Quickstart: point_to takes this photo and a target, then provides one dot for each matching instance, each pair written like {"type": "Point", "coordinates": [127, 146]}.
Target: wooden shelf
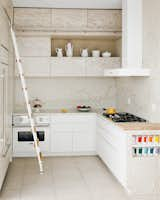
{"type": "Point", "coordinates": [70, 35]}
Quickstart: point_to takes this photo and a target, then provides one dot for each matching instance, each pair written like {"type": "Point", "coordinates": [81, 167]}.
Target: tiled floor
{"type": "Point", "coordinates": [65, 178]}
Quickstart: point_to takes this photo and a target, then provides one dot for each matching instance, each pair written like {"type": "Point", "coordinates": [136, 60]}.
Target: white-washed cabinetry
{"type": "Point", "coordinates": [35, 55]}
{"type": "Point", "coordinates": [32, 18]}
{"type": "Point", "coordinates": [4, 35]}
{"type": "Point", "coordinates": [104, 20]}
{"type": "Point", "coordinates": [68, 66]}
{"type": "Point", "coordinates": [96, 66]}
{"type": "Point", "coordinates": [34, 46]}
{"type": "Point", "coordinates": [35, 66]}
{"type": "Point", "coordinates": [112, 148]}
{"type": "Point", "coordinates": [68, 20]}
{"type": "Point", "coordinates": [73, 134]}
{"type": "Point", "coordinates": [6, 82]}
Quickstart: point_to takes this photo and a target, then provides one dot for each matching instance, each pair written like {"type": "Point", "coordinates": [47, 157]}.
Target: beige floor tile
{"type": "Point", "coordinates": [10, 195]}
{"type": "Point", "coordinates": [37, 193]}
{"type": "Point", "coordinates": [38, 179]}
{"type": "Point", "coordinates": [144, 197]}
{"type": "Point", "coordinates": [72, 193]}
{"type": "Point", "coordinates": [65, 178]}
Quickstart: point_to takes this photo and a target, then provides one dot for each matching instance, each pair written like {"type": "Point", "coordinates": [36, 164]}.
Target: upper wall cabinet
{"type": "Point", "coordinates": [67, 67]}
{"type": "Point", "coordinates": [32, 18]}
{"type": "Point", "coordinates": [69, 19]}
{"type": "Point", "coordinates": [35, 66]}
{"type": "Point", "coordinates": [105, 20]}
{"type": "Point", "coordinates": [4, 35]}
{"type": "Point", "coordinates": [34, 46]}
{"type": "Point", "coordinates": [96, 66]}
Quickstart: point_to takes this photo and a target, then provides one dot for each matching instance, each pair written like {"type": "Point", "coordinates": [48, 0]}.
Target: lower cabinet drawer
{"type": "Point", "coordinates": [109, 155]}
{"type": "Point", "coordinates": [28, 148]}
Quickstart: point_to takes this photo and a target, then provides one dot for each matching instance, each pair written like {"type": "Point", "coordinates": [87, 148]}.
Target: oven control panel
{"type": "Point", "coordinates": [23, 120]}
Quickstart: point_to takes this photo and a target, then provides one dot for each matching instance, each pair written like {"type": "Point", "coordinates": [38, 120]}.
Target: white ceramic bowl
{"type": "Point", "coordinates": [96, 53]}
{"type": "Point", "coordinates": [106, 54]}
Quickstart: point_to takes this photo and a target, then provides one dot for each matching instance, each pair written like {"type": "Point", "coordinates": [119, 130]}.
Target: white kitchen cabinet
{"type": "Point", "coordinates": [6, 78]}
{"type": "Point", "coordinates": [4, 55]}
{"type": "Point", "coordinates": [84, 135]}
{"type": "Point", "coordinates": [111, 147]}
{"type": "Point", "coordinates": [34, 46]}
{"type": "Point", "coordinates": [73, 134]}
{"type": "Point", "coordinates": [68, 66]}
{"type": "Point", "coordinates": [4, 35]}
{"type": "Point", "coordinates": [83, 141]}
{"type": "Point", "coordinates": [62, 142]}
{"type": "Point", "coordinates": [4, 163]}
{"type": "Point", "coordinates": [96, 66]}
{"type": "Point", "coordinates": [105, 20]}
{"type": "Point", "coordinates": [69, 19]}
{"type": "Point", "coordinates": [32, 18]}
{"type": "Point", "coordinates": [35, 66]}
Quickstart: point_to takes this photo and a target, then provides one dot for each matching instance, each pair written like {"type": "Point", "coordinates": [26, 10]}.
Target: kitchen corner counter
{"type": "Point", "coordinates": [134, 126]}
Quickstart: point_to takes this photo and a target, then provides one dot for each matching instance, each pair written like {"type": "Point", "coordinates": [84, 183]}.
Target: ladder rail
{"type": "Point", "coordinates": [28, 105]}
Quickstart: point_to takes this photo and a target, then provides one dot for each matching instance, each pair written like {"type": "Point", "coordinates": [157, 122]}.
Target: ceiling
{"type": "Point", "coordinates": [110, 4]}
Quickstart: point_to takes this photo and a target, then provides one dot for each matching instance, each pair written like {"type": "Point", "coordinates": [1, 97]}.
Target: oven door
{"type": "Point", "coordinates": [23, 143]}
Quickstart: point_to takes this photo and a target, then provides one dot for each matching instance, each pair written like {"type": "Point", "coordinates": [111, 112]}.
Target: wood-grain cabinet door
{"type": "Point", "coordinates": [68, 67]}
{"type": "Point", "coordinates": [34, 46]}
{"type": "Point", "coordinates": [4, 29]}
{"type": "Point", "coordinates": [104, 20]}
{"type": "Point", "coordinates": [96, 66]}
{"type": "Point", "coordinates": [35, 66]}
{"type": "Point", "coordinates": [69, 19]}
{"type": "Point", "coordinates": [32, 18]}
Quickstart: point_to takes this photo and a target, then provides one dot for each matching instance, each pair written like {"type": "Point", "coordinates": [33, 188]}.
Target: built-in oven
{"type": "Point", "coordinates": [23, 143]}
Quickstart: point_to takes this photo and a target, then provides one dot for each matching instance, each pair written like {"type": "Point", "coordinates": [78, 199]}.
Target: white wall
{"type": "Point", "coordinates": [68, 92]}
{"type": "Point", "coordinates": [145, 93]}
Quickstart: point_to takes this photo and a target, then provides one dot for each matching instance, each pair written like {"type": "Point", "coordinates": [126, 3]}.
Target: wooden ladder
{"type": "Point", "coordinates": [26, 96]}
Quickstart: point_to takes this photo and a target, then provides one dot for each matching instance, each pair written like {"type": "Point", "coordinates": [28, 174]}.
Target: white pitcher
{"type": "Point", "coordinates": [59, 52]}
{"type": "Point", "coordinates": [69, 49]}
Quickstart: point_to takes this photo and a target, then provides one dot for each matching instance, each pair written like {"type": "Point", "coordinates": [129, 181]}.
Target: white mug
{"type": "Point", "coordinates": [59, 52]}
{"type": "Point", "coordinates": [96, 53]}
{"type": "Point", "coordinates": [84, 52]}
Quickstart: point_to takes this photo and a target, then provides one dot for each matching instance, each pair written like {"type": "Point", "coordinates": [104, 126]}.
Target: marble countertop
{"type": "Point", "coordinates": [131, 126]}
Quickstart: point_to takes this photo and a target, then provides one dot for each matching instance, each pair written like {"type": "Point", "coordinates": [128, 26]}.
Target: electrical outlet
{"type": "Point", "coordinates": [129, 101]}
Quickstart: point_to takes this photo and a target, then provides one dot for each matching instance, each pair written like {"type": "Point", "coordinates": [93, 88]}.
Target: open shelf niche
{"type": "Point", "coordinates": [111, 44]}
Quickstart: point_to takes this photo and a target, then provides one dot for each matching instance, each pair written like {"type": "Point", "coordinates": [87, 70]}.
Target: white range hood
{"type": "Point", "coordinates": [126, 72]}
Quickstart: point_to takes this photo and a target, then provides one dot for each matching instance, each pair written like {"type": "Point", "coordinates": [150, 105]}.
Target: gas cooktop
{"type": "Point", "coordinates": [124, 117]}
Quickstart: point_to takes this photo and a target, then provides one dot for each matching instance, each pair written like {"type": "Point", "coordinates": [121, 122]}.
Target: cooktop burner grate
{"type": "Point", "coordinates": [124, 117]}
